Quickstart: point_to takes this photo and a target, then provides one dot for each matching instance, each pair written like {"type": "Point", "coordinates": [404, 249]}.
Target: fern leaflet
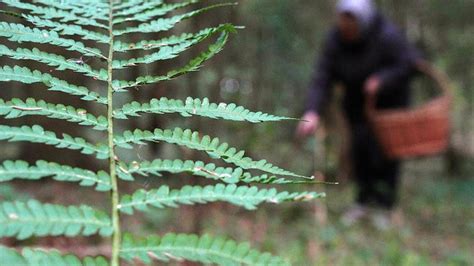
{"type": "Point", "coordinates": [193, 65]}
{"type": "Point", "coordinates": [98, 11]}
{"type": "Point", "coordinates": [198, 107]}
{"type": "Point", "coordinates": [35, 257]}
{"type": "Point", "coordinates": [203, 249]}
{"type": "Point", "coordinates": [17, 108]}
{"type": "Point", "coordinates": [244, 196]}
{"type": "Point", "coordinates": [10, 170]}
{"type": "Point", "coordinates": [225, 174]}
{"type": "Point", "coordinates": [57, 61]}
{"type": "Point", "coordinates": [192, 140]}
{"type": "Point", "coordinates": [151, 13]}
{"type": "Point", "coordinates": [25, 75]}
{"type": "Point", "coordinates": [36, 134]}
{"type": "Point", "coordinates": [164, 24]}
{"type": "Point", "coordinates": [20, 33]}
{"type": "Point", "coordinates": [172, 40]}
{"type": "Point", "coordinates": [33, 218]}
{"type": "Point", "coordinates": [66, 29]}
{"type": "Point", "coordinates": [52, 13]}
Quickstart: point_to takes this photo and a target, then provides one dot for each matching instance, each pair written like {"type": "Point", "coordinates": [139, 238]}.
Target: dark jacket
{"type": "Point", "coordinates": [383, 51]}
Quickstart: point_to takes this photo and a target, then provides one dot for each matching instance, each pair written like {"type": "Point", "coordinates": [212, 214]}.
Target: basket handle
{"type": "Point", "coordinates": [425, 68]}
{"type": "Point", "coordinates": [432, 72]}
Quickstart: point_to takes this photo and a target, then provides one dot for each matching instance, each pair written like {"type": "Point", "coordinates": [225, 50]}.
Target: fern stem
{"type": "Point", "coordinates": [116, 238]}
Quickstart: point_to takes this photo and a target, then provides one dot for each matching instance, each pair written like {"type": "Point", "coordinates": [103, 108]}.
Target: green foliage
{"type": "Point", "coordinates": [192, 140]}
{"type": "Point", "coordinates": [66, 29]}
{"type": "Point", "coordinates": [25, 75]}
{"type": "Point", "coordinates": [106, 26]}
{"type": "Point", "coordinates": [20, 33]}
{"type": "Point", "coordinates": [247, 197]}
{"type": "Point", "coordinates": [35, 257]}
{"type": "Point", "coordinates": [185, 38]}
{"type": "Point", "coordinates": [225, 174]}
{"type": "Point", "coordinates": [163, 24]}
{"type": "Point", "coordinates": [52, 13]}
{"type": "Point", "coordinates": [150, 12]}
{"type": "Point", "coordinates": [165, 52]}
{"type": "Point", "coordinates": [193, 65]}
{"type": "Point", "coordinates": [33, 218]}
{"type": "Point", "coordinates": [57, 61]}
{"type": "Point", "coordinates": [36, 134]}
{"type": "Point", "coordinates": [10, 170]}
{"type": "Point", "coordinates": [191, 247]}
{"type": "Point", "coordinates": [17, 108]}
{"type": "Point", "coordinates": [197, 107]}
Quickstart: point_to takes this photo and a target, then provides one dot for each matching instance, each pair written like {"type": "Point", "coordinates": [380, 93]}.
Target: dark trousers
{"type": "Point", "coordinates": [376, 176]}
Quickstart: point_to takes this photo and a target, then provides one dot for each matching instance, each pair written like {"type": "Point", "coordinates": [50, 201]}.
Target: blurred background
{"type": "Point", "coordinates": [267, 67]}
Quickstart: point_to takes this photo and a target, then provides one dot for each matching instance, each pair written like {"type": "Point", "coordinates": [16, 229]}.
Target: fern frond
{"type": "Point", "coordinates": [55, 60]}
{"type": "Point", "coordinates": [58, 24]}
{"type": "Point", "coordinates": [152, 13]}
{"type": "Point", "coordinates": [36, 134]}
{"type": "Point", "coordinates": [23, 220]}
{"type": "Point", "coordinates": [198, 168]}
{"type": "Point", "coordinates": [35, 257]}
{"type": "Point", "coordinates": [17, 108]}
{"type": "Point", "coordinates": [165, 52]}
{"type": "Point", "coordinates": [53, 13]}
{"type": "Point", "coordinates": [271, 179]}
{"type": "Point", "coordinates": [164, 24]}
{"type": "Point", "coordinates": [244, 196]}
{"type": "Point", "coordinates": [172, 40]}
{"type": "Point", "coordinates": [205, 249]}
{"type": "Point", "coordinates": [20, 33]}
{"type": "Point", "coordinates": [195, 107]}
{"type": "Point", "coordinates": [90, 3]}
{"type": "Point", "coordinates": [95, 9]}
{"type": "Point", "coordinates": [25, 75]}
{"type": "Point", "coordinates": [67, 29]}
{"type": "Point", "coordinates": [132, 7]}
{"type": "Point", "coordinates": [193, 65]}
{"type": "Point", "coordinates": [192, 140]}
{"type": "Point", "coordinates": [10, 170]}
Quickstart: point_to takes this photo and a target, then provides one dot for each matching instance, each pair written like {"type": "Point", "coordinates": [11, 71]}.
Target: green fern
{"type": "Point", "coordinates": [173, 40]}
{"type": "Point", "coordinates": [227, 175]}
{"type": "Point", "coordinates": [191, 247]}
{"type": "Point", "coordinates": [24, 220]}
{"type": "Point", "coordinates": [36, 134]}
{"type": "Point", "coordinates": [247, 197]}
{"type": "Point", "coordinates": [17, 108]}
{"type": "Point", "coordinates": [25, 75]}
{"type": "Point", "coordinates": [10, 170]}
{"type": "Point", "coordinates": [192, 140]}
{"type": "Point", "coordinates": [35, 257]}
{"type": "Point", "coordinates": [20, 33]}
{"type": "Point", "coordinates": [57, 61]}
{"type": "Point", "coordinates": [197, 107]}
{"type": "Point", "coordinates": [52, 13]}
{"type": "Point", "coordinates": [64, 27]}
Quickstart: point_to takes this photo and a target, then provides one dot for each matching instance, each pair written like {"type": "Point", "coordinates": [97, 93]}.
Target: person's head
{"type": "Point", "coordinates": [354, 18]}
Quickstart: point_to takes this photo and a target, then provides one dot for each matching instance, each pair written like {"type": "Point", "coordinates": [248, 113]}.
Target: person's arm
{"type": "Point", "coordinates": [318, 92]}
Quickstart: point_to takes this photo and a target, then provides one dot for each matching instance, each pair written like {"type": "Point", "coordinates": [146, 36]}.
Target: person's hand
{"type": "Point", "coordinates": [372, 85]}
{"type": "Point", "coordinates": [309, 124]}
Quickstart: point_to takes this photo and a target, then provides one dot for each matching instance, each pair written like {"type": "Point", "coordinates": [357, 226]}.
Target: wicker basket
{"type": "Point", "coordinates": [420, 131]}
